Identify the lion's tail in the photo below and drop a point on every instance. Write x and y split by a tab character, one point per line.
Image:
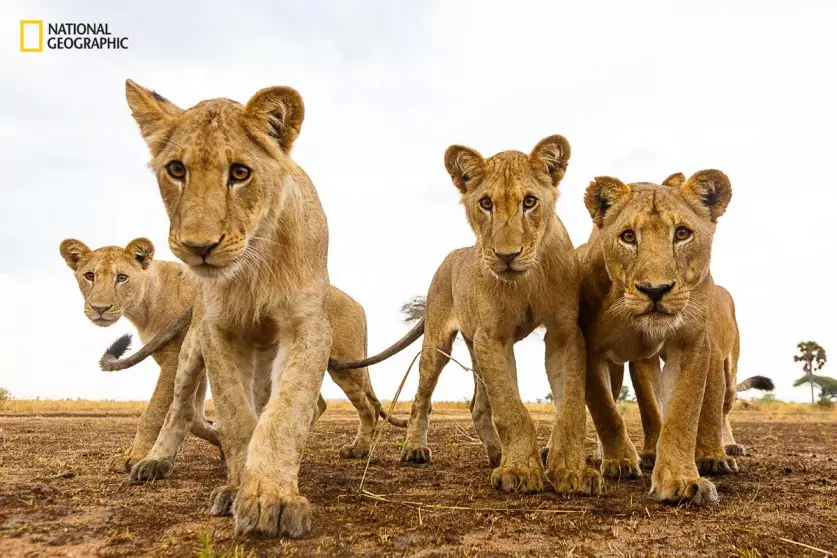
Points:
111	360
756	382
397	347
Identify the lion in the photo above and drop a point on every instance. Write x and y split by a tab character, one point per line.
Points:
348	321
647	290
128	282
521	273
645	377
247	221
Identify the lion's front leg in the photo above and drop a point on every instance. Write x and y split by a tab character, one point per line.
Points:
268	501
151	420
619	457
159	462
566	465
645	377
520	468
709	451
229	365
675	478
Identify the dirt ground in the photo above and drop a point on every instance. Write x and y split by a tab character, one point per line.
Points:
56	499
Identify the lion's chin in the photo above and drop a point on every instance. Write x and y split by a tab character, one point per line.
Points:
103	322
658	324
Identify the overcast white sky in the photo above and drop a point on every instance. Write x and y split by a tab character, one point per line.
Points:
641	90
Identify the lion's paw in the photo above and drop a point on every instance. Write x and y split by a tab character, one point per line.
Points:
271	516
735	449
221	500
647	459
698	491
151	469
621	468
717	465
123	462
576	481
518	479
416	455
350	451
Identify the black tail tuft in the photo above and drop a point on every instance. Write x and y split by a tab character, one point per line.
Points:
414	309
763	383
119	347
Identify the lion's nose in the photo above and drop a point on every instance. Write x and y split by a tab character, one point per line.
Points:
101	309
654	292
202	249
507	257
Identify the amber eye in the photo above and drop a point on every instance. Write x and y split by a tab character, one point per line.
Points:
239	173
176	170
682	233
486	204
121	278
89	276
529	202
628	236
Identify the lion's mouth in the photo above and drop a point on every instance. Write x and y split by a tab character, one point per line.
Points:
104	322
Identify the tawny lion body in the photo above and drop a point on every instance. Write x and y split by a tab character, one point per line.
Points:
521	273
248	222
647	291
645	377
127	281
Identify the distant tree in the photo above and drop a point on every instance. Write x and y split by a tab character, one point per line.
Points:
828	386
5	394
548	397
813	357
413	310
625	394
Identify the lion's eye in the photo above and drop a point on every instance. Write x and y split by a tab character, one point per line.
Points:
176	169
486	203
89	276
529	202
682	233
239	173
121	278
628	236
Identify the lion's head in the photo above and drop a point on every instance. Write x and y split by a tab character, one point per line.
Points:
657	241
112	279
221	167
509	200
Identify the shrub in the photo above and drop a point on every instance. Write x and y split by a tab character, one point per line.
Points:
5	394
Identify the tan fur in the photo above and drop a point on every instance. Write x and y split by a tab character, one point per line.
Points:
348	321
259	246
621	274
495	303
152	294
723	329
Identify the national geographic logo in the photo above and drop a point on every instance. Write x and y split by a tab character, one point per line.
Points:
68	36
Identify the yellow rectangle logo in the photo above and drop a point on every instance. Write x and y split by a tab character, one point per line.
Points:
31	35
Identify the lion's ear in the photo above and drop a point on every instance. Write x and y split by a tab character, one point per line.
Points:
142	250
73	251
602	193
154	113
676	180
552	155
463	165
277	112
708	190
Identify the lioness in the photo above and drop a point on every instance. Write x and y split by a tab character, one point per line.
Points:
128	282
521	273
247	221
647	290
645	377
348	321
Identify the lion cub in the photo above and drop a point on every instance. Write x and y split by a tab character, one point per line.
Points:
127	282
647	291
521	273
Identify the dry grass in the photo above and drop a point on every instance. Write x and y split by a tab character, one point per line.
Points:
772	410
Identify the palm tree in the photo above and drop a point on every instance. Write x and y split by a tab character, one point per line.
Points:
813	357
